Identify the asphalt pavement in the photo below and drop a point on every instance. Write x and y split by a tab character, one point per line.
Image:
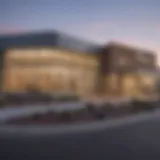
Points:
139	139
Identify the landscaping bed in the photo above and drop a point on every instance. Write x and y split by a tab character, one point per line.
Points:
88	114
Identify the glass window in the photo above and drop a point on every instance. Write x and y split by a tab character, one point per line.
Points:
113	81
129	85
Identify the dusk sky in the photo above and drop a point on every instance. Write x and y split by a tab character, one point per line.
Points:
135	22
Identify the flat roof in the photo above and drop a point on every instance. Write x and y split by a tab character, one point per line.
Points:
47	39
130	47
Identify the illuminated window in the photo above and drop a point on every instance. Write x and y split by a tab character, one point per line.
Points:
113	81
129	85
147	80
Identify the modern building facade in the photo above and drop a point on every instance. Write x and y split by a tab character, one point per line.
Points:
55	62
48	62
127	71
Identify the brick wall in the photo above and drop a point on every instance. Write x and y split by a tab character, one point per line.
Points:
122	61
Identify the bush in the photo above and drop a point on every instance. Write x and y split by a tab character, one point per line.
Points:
66	116
107	107
138	105
150	106
36	116
90	108
82	111
65	97
2	103
100	115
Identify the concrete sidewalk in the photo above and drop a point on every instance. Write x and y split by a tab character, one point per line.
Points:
7	113
79	127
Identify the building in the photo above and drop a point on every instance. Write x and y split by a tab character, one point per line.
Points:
127	71
53	62
49	62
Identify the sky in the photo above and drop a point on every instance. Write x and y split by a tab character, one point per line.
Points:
134	22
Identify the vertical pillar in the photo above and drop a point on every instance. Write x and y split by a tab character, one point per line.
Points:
2	53
139	86
120	84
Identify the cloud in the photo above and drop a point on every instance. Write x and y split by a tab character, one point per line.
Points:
6	29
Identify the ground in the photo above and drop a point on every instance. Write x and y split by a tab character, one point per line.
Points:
134	140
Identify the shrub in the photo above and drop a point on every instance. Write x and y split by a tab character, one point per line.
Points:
138	105
65	97
66	116
82	111
2	103
107	107
36	116
149	106
90	108
100	115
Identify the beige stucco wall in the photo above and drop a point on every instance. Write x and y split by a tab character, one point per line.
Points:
49	69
